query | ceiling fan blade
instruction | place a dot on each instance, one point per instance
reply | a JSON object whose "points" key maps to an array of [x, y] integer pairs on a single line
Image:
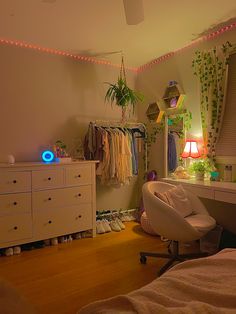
{"points": [[133, 11]]}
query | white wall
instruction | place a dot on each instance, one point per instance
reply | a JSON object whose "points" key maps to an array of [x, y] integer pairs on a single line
{"points": [[45, 98]]}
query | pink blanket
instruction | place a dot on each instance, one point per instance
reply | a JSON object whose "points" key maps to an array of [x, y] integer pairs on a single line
{"points": [[206, 285]]}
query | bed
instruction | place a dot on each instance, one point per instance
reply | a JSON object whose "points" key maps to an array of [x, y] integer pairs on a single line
{"points": [[205, 285]]}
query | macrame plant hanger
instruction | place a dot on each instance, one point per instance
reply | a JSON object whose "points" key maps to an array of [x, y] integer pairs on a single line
{"points": [[123, 76]]}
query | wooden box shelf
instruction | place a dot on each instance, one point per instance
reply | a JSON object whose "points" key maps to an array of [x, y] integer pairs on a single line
{"points": [[173, 96]]}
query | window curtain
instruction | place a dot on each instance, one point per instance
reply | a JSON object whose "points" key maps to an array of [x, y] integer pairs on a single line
{"points": [[211, 68]]}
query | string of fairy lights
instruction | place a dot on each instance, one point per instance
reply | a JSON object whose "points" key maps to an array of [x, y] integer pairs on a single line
{"points": [[210, 36], [141, 68]]}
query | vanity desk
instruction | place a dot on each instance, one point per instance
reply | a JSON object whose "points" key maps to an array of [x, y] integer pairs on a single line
{"points": [[215, 190], [218, 197]]}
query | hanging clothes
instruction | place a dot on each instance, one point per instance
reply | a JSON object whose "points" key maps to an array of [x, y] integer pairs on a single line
{"points": [[116, 149], [172, 154]]}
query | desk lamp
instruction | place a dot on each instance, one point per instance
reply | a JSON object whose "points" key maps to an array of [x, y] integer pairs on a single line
{"points": [[190, 150]]}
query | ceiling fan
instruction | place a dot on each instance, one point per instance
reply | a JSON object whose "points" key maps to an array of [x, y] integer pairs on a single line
{"points": [[133, 11]]}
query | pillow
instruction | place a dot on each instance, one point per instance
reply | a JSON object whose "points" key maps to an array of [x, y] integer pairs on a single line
{"points": [[177, 198]]}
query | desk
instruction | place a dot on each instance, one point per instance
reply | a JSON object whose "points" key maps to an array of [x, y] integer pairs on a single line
{"points": [[219, 191]]}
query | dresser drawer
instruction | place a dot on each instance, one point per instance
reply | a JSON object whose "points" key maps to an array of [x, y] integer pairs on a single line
{"points": [[47, 179], [78, 195], [15, 181], [54, 222], [61, 197], [80, 218], [78, 175], [16, 203], [14, 228], [201, 192], [225, 197]]}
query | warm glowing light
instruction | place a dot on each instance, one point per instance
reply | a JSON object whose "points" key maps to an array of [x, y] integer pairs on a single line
{"points": [[190, 150], [141, 68], [60, 53], [193, 43]]}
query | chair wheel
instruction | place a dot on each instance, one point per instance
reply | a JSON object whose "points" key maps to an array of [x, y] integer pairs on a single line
{"points": [[143, 259]]}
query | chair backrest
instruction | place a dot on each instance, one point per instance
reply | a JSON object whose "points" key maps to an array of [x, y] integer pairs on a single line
{"points": [[163, 218]]}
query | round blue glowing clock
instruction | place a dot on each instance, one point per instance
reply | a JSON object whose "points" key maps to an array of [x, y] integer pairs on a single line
{"points": [[47, 156]]}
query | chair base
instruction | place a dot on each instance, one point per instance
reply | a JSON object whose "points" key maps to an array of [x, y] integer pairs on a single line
{"points": [[173, 256]]}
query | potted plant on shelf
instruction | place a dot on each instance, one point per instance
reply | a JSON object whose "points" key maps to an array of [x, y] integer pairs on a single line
{"points": [[121, 94], [201, 167]]}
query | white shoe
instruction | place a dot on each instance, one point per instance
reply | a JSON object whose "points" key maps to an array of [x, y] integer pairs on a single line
{"points": [[77, 236], [106, 225], [61, 239], [70, 238], [9, 251], [120, 223], [47, 242], [87, 234], [54, 241], [16, 250], [114, 226], [163, 239], [126, 217], [99, 227]]}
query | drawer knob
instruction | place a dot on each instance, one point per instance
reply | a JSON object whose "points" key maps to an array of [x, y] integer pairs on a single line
{"points": [[49, 221], [49, 178], [80, 216], [79, 194], [15, 228], [49, 198], [15, 203], [79, 176], [77, 217], [14, 181]]}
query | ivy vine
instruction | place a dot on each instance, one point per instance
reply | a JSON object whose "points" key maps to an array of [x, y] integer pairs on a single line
{"points": [[210, 67]]}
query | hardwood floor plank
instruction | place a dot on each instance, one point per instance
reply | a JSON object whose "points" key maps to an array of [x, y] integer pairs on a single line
{"points": [[63, 278]]}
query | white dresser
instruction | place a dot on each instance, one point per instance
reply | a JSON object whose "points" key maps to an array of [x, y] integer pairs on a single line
{"points": [[40, 201]]}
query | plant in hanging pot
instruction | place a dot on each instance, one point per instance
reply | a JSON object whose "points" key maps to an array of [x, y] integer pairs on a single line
{"points": [[121, 94]]}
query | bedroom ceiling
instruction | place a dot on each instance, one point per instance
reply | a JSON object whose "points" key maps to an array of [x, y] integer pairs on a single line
{"points": [[98, 27]]}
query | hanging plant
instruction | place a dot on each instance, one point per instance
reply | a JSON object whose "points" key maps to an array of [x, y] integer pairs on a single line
{"points": [[120, 94]]}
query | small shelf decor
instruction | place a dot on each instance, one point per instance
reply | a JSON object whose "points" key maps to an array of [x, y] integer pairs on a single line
{"points": [[154, 113], [59, 149], [121, 94], [173, 97]]}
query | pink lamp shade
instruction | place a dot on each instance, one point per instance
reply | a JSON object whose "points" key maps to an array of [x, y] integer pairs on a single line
{"points": [[190, 150]]}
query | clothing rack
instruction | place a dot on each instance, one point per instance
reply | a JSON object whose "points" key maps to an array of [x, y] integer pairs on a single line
{"points": [[115, 123], [120, 124], [125, 124]]}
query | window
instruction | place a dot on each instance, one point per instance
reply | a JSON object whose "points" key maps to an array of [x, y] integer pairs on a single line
{"points": [[226, 145]]}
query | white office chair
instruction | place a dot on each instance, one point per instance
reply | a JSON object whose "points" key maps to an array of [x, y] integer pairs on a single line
{"points": [[167, 222]]}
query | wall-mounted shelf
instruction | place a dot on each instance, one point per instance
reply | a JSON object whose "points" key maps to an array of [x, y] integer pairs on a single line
{"points": [[173, 96], [154, 113]]}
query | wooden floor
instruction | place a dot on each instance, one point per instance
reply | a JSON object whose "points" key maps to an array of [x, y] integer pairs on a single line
{"points": [[63, 278]]}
